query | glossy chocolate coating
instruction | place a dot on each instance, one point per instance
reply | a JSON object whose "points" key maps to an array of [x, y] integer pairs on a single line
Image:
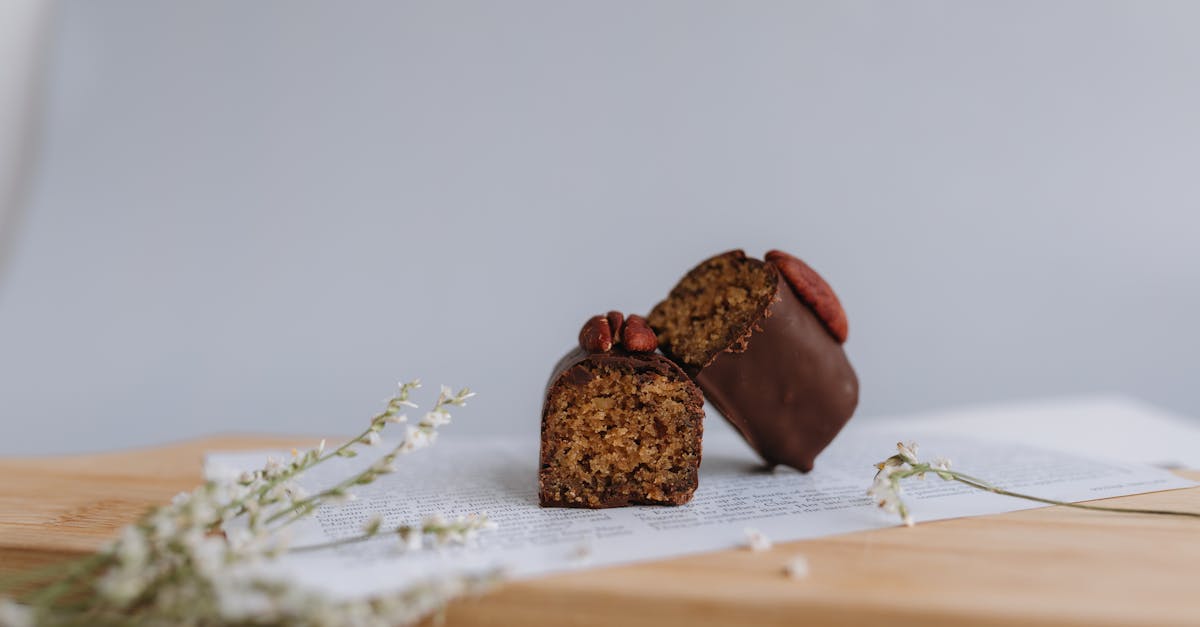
{"points": [[639, 362], [783, 380], [791, 391]]}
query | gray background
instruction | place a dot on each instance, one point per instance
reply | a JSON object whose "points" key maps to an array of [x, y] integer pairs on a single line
{"points": [[257, 216]]}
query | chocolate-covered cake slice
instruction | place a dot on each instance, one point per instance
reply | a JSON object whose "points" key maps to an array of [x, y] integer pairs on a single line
{"points": [[764, 341], [621, 424]]}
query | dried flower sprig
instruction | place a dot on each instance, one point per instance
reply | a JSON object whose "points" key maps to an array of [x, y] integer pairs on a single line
{"points": [[890, 472], [187, 563]]}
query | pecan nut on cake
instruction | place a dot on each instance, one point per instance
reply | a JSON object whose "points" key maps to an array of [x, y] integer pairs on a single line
{"points": [[763, 338], [621, 424]]}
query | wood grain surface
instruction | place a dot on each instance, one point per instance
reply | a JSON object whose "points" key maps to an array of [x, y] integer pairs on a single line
{"points": [[1051, 566]]}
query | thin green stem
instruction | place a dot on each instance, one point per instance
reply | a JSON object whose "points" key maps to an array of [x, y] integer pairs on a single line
{"points": [[427, 527], [40, 573], [337, 452], [332, 543], [1102, 508], [80, 568], [920, 469], [292, 472], [393, 407], [302, 507]]}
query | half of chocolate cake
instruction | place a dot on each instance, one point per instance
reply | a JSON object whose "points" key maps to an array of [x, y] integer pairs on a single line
{"points": [[620, 426], [764, 341]]}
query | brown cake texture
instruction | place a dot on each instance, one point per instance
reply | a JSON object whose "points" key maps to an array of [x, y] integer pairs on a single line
{"points": [[763, 339], [621, 424]]}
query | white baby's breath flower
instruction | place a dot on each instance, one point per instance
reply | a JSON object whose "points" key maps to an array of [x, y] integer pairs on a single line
{"points": [[886, 491], [208, 556], [274, 466], [203, 510], [893, 464], [372, 524], [908, 451], [131, 547], [197, 556], [238, 602], [239, 538], [13, 614], [417, 438], [411, 539], [797, 567], [757, 540], [294, 491], [162, 523], [384, 466], [121, 584], [221, 493], [481, 521], [276, 542], [397, 419], [437, 418], [275, 494], [341, 498]]}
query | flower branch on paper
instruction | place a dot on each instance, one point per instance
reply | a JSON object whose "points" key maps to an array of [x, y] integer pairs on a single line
{"points": [[888, 493], [186, 563]]}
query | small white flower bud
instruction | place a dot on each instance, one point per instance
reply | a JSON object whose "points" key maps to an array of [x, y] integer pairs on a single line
{"points": [[411, 539], [371, 526], [757, 540], [908, 451], [797, 567]]}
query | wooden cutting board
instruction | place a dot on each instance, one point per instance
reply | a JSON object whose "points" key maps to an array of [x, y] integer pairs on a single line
{"points": [[1051, 566]]}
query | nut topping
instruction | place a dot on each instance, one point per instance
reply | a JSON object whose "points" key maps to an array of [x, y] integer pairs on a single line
{"points": [[638, 337], [616, 321], [814, 291], [595, 336], [600, 333]]}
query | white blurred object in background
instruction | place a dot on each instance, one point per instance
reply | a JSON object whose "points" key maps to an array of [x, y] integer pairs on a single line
{"points": [[23, 28]]}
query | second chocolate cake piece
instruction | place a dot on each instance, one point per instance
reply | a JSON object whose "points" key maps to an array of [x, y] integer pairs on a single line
{"points": [[621, 424], [764, 341]]}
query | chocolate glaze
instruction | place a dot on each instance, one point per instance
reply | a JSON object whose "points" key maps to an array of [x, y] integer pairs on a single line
{"points": [[785, 383], [639, 362], [575, 369]]}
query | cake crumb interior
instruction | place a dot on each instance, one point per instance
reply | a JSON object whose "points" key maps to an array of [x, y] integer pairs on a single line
{"points": [[624, 437], [711, 308]]}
